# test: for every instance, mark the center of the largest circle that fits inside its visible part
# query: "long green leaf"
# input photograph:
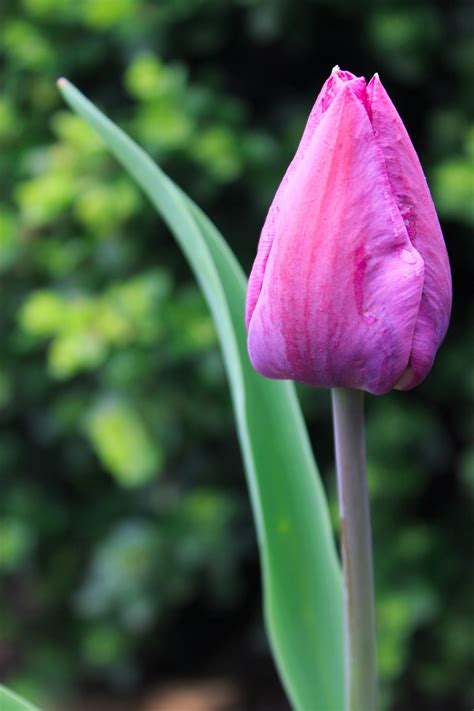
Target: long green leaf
(12, 702)
(301, 574)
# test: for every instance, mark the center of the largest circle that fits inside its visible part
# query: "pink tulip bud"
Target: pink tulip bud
(351, 285)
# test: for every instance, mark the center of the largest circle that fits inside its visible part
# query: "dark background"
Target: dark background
(129, 559)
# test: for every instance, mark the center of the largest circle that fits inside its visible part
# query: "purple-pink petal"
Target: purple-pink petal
(342, 292)
(414, 201)
(327, 94)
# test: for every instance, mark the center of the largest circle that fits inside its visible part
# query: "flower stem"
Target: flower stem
(356, 544)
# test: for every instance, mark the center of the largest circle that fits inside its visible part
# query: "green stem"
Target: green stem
(356, 544)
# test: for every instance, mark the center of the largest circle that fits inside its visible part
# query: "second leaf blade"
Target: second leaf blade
(301, 574)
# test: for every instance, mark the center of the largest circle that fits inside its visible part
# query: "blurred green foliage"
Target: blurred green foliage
(124, 513)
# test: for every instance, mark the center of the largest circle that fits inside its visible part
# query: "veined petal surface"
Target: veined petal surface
(326, 96)
(342, 284)
(414, 201)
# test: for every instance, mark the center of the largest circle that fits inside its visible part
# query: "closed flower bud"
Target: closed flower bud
(351, 285)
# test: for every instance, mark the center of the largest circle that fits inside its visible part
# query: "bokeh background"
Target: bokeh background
(128, 556)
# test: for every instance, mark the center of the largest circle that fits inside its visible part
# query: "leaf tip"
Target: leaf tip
(62, 82)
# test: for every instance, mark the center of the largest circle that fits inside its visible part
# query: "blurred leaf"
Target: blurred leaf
(145, 76)
(72, 352)
(101, 208)
(45, 197)
(219, 151)
(26, 44)
(103, 645)
(15, 542)
(42, 314)
(9, 243)
(123, 444)
(403, 38)
(75, 132)
(164, 124)
(102, 15)
(400, 612)
(8, 120)
(454, 188)
(302, 580)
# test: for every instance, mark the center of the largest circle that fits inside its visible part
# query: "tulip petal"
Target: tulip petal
(413, 198)
(342, 285)
(326, 96)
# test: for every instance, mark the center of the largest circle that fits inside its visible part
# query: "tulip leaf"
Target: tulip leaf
(12, 702)
(302, 582)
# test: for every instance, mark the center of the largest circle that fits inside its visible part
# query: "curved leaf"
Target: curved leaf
(301, 574)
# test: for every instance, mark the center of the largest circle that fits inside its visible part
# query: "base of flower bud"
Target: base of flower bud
(405, 381)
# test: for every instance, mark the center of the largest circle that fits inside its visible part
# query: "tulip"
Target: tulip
(351, 285)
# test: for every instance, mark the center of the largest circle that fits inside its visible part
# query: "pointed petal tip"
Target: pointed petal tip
(375, 81)
(353, 89)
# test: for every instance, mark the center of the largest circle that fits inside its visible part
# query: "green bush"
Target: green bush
(123, 499)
